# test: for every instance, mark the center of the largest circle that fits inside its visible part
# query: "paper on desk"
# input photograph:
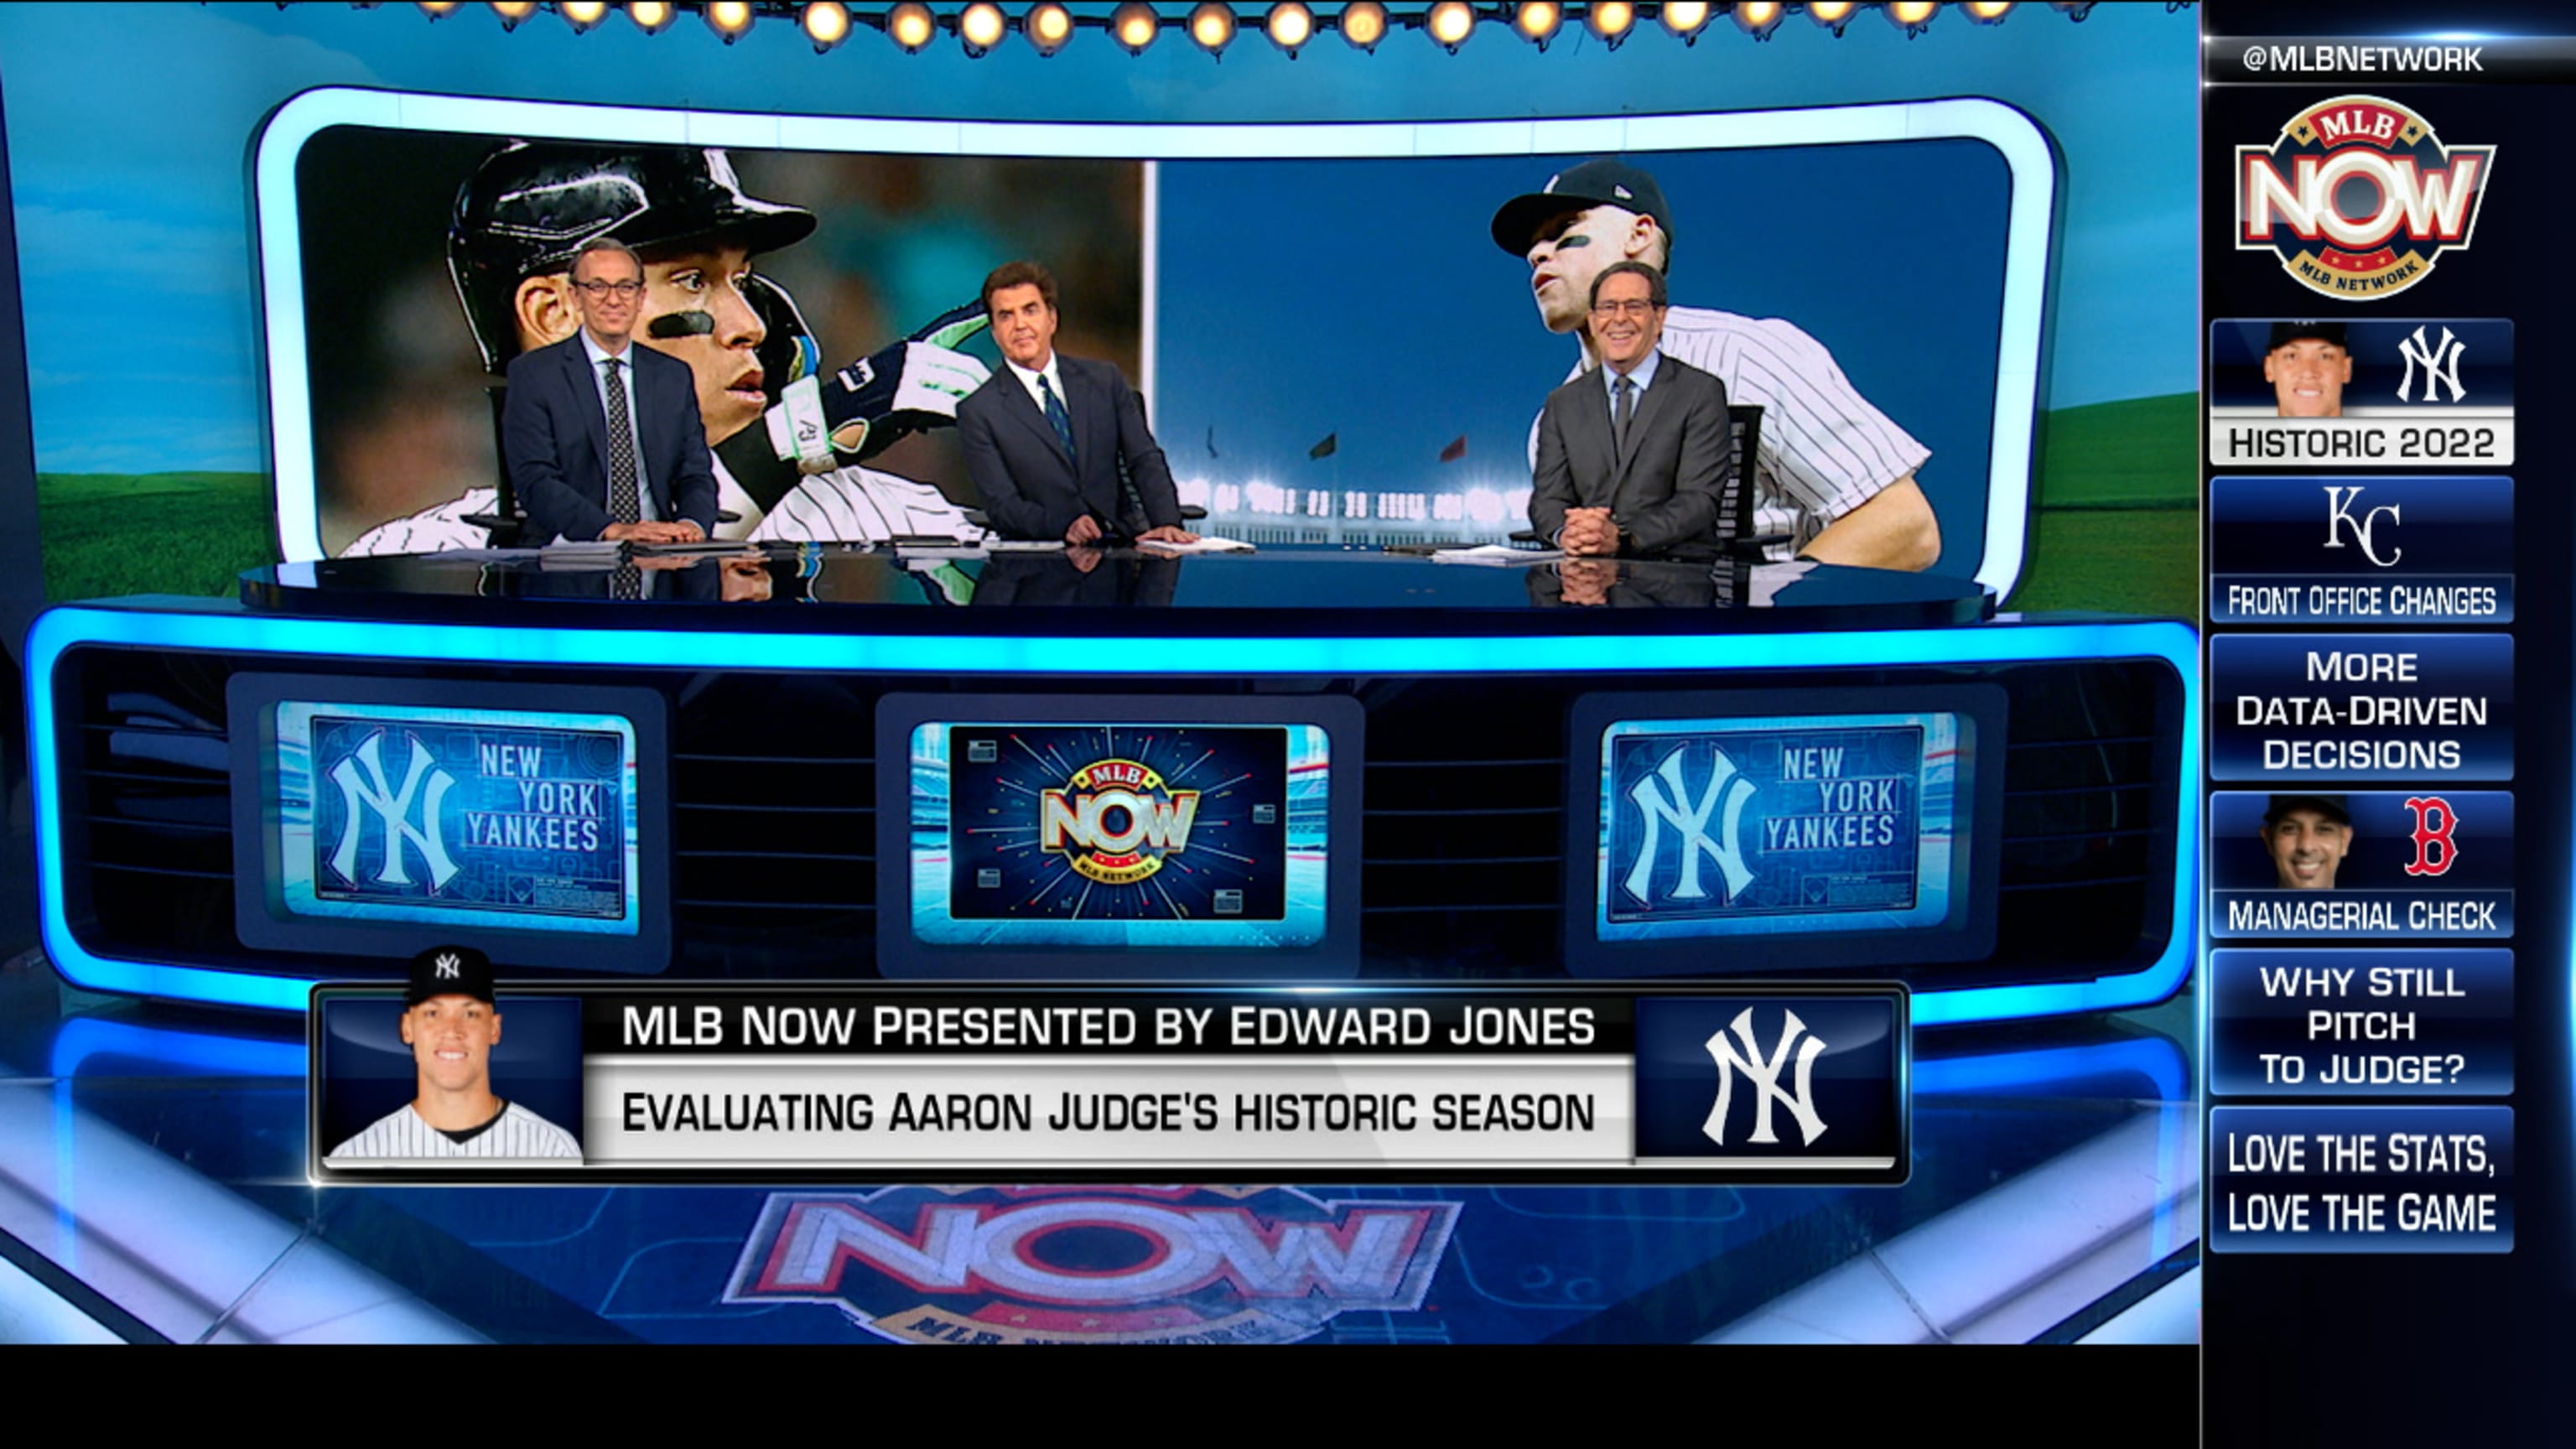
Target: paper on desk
(1497, 555)
(1207, 543)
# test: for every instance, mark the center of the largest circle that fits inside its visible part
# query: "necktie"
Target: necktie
(1626, 388)
(623, 506)
(1058, 419)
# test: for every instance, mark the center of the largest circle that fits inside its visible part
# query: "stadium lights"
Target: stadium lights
(1760, 20)
(1048, 27)
(1212, 26)
(1289, 25)
(730, 19)
(1363, 24)
(1537, 20)
(1611, 20)
(826, 23)
(437, 9)
(909, 25)
(581, 15)
(1988, 12)
(1831, 14)
(1911, 16)
(651, 16)
(1687, 18)
(513, 11)
(1450, 23)
(980, 27)
(1135, 25)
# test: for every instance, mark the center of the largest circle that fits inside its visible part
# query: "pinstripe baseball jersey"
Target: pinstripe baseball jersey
(516, 1133)
(1825, 449)
(846, 505)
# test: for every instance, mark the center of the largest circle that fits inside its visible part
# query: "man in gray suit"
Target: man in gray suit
(1633, 455)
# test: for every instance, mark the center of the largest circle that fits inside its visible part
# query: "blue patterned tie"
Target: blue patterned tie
(1057, 419)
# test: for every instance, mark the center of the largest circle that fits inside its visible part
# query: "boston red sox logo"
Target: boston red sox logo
(2435, 852)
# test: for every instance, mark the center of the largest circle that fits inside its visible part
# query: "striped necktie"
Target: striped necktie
(1058, 419)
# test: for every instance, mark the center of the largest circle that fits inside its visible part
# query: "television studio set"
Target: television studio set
(823, 541)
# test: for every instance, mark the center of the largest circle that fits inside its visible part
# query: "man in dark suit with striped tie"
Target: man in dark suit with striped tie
(603, 439)
(1057, 445)
(1633, 455)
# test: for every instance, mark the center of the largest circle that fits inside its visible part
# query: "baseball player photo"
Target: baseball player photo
(451, 1023)
(787, 438)
(1835, 475)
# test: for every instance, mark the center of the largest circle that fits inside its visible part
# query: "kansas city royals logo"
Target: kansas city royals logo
(1116, 821)
(1741, 1055)
(1093, 1264)
(2358, 197)
(360, 774)
(1663, 801)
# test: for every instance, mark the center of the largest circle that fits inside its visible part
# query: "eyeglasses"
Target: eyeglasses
(626, 291)
(1607, 310)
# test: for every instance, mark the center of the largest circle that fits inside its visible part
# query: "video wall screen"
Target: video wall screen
(412, 245)
(1029, 836)
(1783, 830)
(371, 816)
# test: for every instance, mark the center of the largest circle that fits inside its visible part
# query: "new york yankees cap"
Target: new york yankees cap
(2285, 333)
(1604, 182)
(449, 971)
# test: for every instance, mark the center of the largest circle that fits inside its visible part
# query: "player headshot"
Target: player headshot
(1834, 474)
(2308, 366)
(2307, 837)
(787, 436)
(451, 1023)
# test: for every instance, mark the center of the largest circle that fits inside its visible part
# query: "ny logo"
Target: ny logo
(393, 813)
(1764, 1074)
(2441, 363)
(1670, 804)
(448, 966)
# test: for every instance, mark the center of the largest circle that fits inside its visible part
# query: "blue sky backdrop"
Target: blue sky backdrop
(129, 130)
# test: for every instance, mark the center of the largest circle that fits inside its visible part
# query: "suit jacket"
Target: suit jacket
(1030, 489)
(554, 439)
(1664, 488)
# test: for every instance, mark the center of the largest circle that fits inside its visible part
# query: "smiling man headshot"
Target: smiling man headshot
(2307, 837)
(2308, 367)
(451, 1024)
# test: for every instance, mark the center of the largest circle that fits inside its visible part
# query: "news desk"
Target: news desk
(1471, 853)
(1463, 854)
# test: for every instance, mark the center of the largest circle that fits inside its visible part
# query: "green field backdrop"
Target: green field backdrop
(2117, 526)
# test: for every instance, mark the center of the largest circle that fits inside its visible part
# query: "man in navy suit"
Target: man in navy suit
(1057, 445)
(603, 438)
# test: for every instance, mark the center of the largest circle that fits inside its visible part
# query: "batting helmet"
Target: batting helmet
(531, 205)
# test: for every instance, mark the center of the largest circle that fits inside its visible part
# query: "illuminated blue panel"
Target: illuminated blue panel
(294, 640)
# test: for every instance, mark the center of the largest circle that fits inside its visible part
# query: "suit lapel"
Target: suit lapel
(593, 415)
(1085, 407)
(1025, 407)
(1601, 442)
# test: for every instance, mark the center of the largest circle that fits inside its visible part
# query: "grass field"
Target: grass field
(108, 534)
(2117, 526)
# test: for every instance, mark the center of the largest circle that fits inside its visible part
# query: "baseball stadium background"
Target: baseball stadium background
(134, 225)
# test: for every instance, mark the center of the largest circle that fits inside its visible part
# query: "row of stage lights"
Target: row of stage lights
(1213, 24)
